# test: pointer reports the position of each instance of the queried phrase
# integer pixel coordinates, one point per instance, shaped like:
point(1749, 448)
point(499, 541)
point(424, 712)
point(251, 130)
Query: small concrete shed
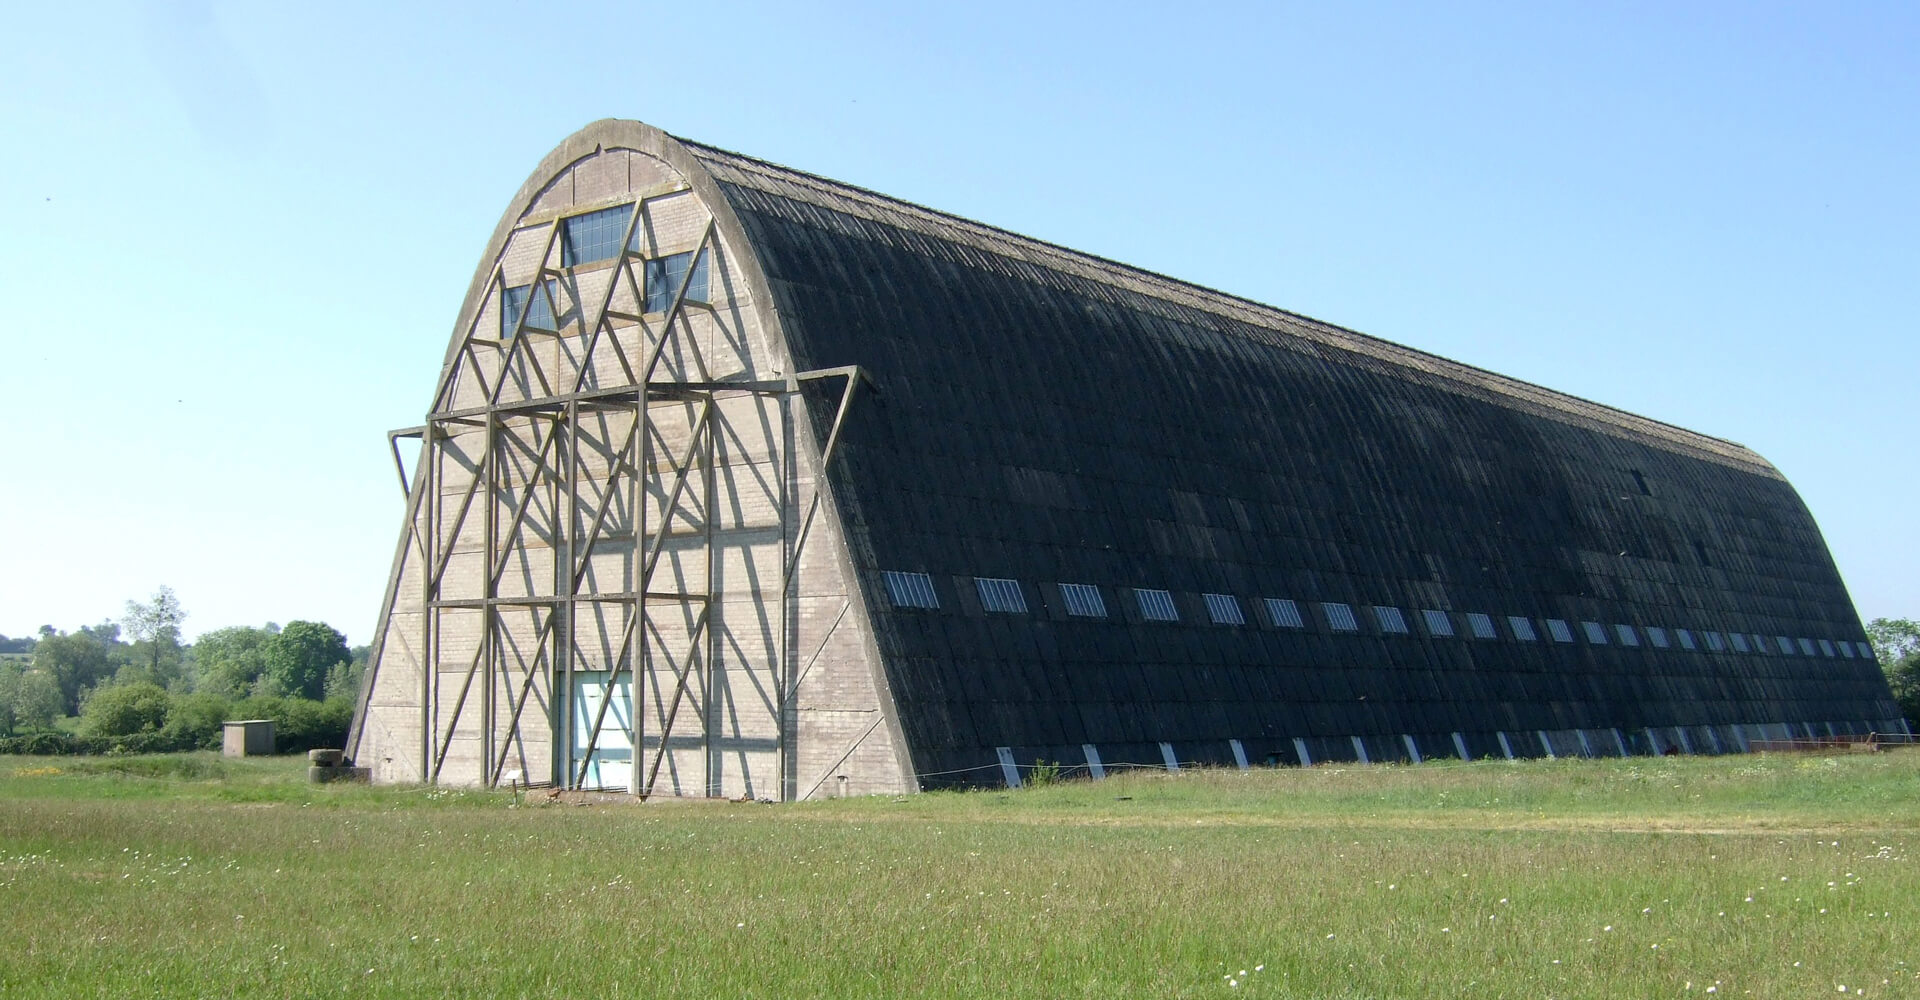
point(247, 738)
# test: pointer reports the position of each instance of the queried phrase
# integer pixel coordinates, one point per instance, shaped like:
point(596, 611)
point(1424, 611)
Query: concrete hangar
point(739, 481)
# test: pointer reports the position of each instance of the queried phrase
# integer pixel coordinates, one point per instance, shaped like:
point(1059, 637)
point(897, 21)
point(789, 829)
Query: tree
point(1896, 644)
point(300, 656)
point(75, 662)
point(108, 632)
point(125, 709)
point(229, 661)
point(37, 702)
point(155, 627)
point(9, 694)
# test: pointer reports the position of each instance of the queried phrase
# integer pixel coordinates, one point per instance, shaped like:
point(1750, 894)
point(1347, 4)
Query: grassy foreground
point(1767, 876)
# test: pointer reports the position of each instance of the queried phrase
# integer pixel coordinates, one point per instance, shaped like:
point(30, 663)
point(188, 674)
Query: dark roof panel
point(1046, 416)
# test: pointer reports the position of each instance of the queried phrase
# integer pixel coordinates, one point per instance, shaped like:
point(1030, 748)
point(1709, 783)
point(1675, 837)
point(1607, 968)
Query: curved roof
point(1046, 416)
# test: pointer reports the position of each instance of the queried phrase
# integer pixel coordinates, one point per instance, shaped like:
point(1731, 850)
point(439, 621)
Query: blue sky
point(236, 234)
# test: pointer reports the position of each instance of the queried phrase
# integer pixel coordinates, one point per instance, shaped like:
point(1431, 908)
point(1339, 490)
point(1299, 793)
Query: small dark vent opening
point(1641, 481)
point(1701, 551)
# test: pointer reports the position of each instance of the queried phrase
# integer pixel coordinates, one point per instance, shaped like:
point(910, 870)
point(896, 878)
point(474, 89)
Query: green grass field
point(191, 876)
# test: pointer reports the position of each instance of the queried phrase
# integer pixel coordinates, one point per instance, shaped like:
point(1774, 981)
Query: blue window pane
point(1481, 625)
point(1522, 628)
point(1083, 600)
point(1001, 595)
point(1224, 610)
point(664, 274)
point(1284, 613)
point(1390, 620)
point(910, 590)
point(1156, 606)
point(1339, 617)
point(1558, 629)
point(515, 300)
point(1438, 624)
point(593, 237)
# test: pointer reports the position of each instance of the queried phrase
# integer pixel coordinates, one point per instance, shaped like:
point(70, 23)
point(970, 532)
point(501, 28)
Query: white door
point(611, 766)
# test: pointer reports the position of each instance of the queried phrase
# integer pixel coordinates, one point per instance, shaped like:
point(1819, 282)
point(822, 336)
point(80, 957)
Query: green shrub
point(298, 723)
point(125, 709)
point(194, 720)
point(38, 745)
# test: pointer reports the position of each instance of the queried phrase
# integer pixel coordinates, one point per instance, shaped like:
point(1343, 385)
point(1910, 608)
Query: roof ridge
point(1215, 301)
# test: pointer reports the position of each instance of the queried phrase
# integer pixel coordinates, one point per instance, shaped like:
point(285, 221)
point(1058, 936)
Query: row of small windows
point(1083, 600)
point(661, 280)
point(589, 239)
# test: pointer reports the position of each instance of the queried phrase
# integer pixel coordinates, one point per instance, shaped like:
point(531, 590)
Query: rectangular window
point(1559, 630)
point(1786, 645)
point(1480, 625)
point(1522, 628)
point(1759, 643)
point(1437, 622)
point(1685, 637)
point(1390, 620)
point(1224, 610)
point(1806, 647)
point(1866, 651)
point(1826, 648)
point(593, 237)
point(1283, 613)
point(1846, 649)
point(1739, 641)
point(1715, 642)
point(514, 300)
point(1001, 595)
point(1657, 636)
point(1083, 600)
point(1596, 633)
point(910, 590)
point(1339, 617)
point(1156, 605)
point(1626, 635)
point(663, 277)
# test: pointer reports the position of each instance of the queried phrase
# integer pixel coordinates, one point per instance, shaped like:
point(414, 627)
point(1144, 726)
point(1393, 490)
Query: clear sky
point(233, 236)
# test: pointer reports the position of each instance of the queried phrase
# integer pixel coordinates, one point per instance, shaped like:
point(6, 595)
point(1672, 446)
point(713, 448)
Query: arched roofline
point(595, 138)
